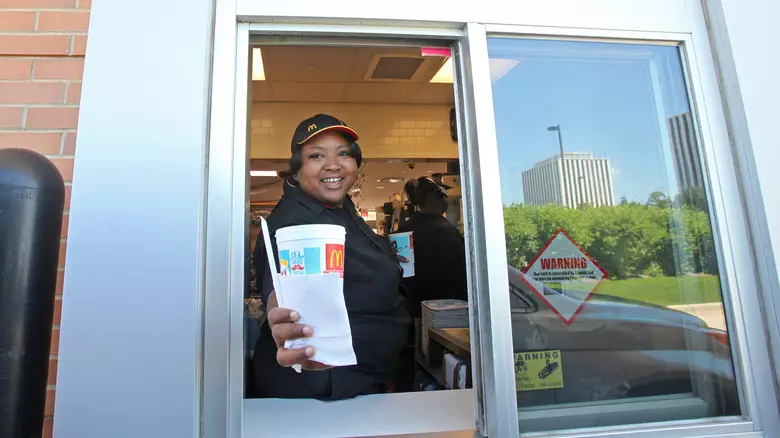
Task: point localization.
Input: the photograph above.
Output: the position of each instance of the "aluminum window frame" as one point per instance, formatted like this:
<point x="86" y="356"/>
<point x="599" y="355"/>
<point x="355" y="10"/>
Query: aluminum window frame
<point x="740" y="292"/>
<point x="222" y="409"/>
<point x="223" y="404"/>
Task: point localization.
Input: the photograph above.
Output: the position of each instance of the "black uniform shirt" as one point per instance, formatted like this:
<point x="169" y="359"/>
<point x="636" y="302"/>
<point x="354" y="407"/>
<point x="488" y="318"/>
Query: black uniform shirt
<point x="377" y="311"/>
<point x="439" y="261"/>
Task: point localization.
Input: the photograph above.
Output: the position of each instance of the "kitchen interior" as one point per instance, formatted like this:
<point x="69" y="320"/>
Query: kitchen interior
<point x="401" y="102"/>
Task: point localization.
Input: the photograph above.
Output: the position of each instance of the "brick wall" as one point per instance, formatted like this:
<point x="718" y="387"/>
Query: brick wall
<point x="42" y="46"/>
<point x="386" y="131"/>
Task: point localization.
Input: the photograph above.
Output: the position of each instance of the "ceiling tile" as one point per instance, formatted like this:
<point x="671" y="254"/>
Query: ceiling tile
<point x="307" y="64"/>
<point x="262" y="91"/>
<point x="308" y="92"/>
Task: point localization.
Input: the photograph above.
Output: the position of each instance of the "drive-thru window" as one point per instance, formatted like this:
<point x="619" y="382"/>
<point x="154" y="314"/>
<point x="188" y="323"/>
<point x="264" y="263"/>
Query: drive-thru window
<point x="586" y="160"/>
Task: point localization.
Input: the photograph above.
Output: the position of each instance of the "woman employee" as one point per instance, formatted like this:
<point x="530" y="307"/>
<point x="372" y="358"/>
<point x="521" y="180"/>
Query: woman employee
<point x="324" y="166"/>
<point x="439" y="250"/>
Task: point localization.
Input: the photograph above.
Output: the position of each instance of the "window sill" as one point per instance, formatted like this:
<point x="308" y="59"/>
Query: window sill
<point x="438" y="414"/>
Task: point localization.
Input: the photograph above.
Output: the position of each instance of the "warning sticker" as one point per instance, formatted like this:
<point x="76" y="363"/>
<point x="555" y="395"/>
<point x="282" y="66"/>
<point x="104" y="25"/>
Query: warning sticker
<point x="538" y="370"/>
<point x="564" y="276"/>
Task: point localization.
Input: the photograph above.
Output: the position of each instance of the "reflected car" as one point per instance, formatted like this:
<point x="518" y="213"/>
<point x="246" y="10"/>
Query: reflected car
<point x="619" y="349"/>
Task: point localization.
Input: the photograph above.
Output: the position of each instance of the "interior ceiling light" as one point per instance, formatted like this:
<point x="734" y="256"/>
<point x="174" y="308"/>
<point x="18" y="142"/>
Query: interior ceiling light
<point x="258" y="73"/>
<point x="391" y="180"/>
<point x="267" y="173"/>
<point x="445" y="74"/>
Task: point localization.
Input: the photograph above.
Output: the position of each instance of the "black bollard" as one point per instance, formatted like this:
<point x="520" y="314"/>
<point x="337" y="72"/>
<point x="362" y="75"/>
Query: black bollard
<point x="32" y="197"/>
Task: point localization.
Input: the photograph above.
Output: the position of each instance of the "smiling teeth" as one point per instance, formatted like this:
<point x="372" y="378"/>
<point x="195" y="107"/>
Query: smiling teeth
<point x="331" y="180"/>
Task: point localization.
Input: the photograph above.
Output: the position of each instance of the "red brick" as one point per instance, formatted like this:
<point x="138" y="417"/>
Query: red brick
<point x="73" y="95"/>
<point x="31" y="92"/>
<point x="85" y="4"/>
<point x="54" y="347"/>
<point x="69" y="144"/>
<point x="17" y="20"/>
<point x="63" y="251"/>
<point x="36" y="4"/>
<point x="52" y="118"/>
<point x="34" y="45"/>
<point x="59" y="69"/>
<point x="60" y="282"/>
<point x="49" y="409"/>
<point x="65" y="166"/>
<point x="63" y="21"/>
<point x="65" y="223"/>
<point x="68" y="191"/>
<point x="52" y="372"/>
<point x="15" y="69"/>
<point x="57" y="312"/>
<point x="48" y="428"/>
<point x="79" y="45"/>
<point x="43" y="142"/>
<point x="10" y="117"/>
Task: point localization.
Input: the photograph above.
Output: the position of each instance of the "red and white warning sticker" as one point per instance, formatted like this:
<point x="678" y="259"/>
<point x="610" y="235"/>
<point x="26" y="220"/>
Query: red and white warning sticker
<point x="564" y="276"/>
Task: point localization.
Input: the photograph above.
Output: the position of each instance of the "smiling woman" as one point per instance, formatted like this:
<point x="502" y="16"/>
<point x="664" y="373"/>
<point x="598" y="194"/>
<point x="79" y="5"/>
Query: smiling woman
<point x="324" y="162"/>
<point x="325" y="158"/>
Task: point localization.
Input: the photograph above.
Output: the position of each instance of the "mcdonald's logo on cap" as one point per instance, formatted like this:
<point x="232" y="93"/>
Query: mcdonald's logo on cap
<point x="312" y="127"/>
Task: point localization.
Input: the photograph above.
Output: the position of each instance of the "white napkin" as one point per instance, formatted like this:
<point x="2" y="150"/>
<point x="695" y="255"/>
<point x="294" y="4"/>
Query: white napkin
<point x="319" y="299"/>
<point x="455" y="372"/>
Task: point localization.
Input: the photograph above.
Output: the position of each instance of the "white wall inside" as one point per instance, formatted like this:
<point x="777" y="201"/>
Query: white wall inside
<point x="386" y="130"/>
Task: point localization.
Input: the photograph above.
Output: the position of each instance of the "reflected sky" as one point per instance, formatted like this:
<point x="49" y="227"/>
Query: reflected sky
<point x="611" y="100"/>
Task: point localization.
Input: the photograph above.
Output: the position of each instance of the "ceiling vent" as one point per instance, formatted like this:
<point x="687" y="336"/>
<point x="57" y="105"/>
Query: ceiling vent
<point x="402" y="69"/>
<point x="398" y="68"/>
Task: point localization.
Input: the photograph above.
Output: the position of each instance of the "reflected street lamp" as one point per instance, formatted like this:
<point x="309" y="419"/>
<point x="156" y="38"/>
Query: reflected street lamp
<point x="557" y="128"/>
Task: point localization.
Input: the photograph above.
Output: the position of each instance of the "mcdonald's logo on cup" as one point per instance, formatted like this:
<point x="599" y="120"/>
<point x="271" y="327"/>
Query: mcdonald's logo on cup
<point x="334" y="258"/>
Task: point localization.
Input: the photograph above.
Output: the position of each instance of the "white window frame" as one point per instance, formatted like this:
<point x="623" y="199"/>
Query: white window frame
<point x="223" y="403"/>
<point x="746" y="325"/>
<point x="223" y="409"/>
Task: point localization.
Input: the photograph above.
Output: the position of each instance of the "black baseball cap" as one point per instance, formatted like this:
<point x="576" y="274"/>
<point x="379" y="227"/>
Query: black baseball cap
<point x="429" y="185"/>
<point x="318" y="124"/>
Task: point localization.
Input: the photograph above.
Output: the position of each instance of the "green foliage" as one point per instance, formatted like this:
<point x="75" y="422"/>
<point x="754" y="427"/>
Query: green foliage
<point x="659" y="199"/>
<point x="628" y="240"/>
<point x="695" y="198"/>
<point x="654" y="270"/>
<point x="663" y="291"/>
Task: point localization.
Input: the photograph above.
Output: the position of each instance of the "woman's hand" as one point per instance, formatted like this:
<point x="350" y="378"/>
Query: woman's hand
<point x="285" y="328"/>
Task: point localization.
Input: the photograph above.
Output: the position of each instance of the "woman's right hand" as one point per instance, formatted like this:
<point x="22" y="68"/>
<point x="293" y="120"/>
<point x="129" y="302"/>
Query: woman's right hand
<point x="284" y="327"/>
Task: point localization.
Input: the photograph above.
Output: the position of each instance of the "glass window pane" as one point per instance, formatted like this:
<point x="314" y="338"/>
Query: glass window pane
<point x="617" y="310"/>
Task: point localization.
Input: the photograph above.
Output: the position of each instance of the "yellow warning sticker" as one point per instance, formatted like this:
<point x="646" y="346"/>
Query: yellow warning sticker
<point x="538" y="370"/>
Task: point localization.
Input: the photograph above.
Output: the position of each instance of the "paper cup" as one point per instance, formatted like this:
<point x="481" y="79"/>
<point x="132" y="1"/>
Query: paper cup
<point x="403" y="244"/>
<point x="311" y="250"/>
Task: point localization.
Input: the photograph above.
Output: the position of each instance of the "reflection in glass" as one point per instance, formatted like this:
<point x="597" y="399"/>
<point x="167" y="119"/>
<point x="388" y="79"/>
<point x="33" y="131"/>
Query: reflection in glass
<point x="617" y="310"/>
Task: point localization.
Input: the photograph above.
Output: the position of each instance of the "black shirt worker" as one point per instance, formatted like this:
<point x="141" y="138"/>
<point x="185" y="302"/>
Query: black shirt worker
<point x="439" y="248"/>
<point x="324" y="166"/>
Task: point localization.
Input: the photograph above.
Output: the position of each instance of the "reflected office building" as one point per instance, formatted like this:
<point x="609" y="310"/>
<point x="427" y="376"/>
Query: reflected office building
<point x="582" y="180"/>
<point x="686" y="152"/>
